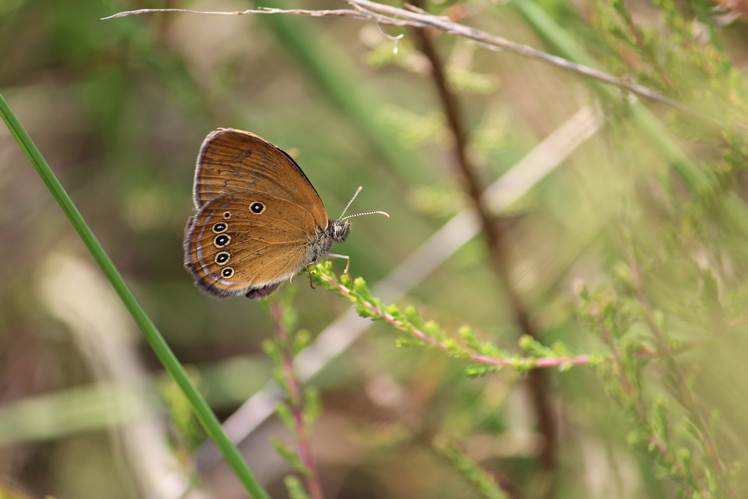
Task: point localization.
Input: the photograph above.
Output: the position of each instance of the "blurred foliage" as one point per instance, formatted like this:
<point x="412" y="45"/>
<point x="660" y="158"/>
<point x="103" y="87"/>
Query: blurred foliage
<point x="633" y="252"/>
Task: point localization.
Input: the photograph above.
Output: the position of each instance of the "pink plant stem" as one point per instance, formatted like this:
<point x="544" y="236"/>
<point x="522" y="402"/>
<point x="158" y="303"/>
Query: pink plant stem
<point x="296" y="405"/>
<point x="537" y="362"/>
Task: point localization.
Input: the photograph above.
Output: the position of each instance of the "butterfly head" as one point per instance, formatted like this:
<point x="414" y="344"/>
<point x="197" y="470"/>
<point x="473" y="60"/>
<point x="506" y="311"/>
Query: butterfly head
<point x="338" y="230"/>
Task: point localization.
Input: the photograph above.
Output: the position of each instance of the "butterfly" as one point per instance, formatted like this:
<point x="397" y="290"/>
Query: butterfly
<point x="259" y="220"/>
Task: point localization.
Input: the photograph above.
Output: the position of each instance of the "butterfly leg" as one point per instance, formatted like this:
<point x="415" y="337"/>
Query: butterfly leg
<point x="347" y="260"/>
<point x="309" y="273"/>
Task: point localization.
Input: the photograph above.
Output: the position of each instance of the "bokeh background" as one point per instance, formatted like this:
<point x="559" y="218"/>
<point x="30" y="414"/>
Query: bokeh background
<point x="119" y="109"/>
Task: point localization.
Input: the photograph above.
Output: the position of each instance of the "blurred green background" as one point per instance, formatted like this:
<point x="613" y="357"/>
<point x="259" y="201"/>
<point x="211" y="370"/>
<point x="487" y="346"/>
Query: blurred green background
<point x="119" y="109"/>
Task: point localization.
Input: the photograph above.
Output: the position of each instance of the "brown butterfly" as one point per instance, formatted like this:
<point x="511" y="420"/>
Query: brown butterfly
<point x="259" y="220"/>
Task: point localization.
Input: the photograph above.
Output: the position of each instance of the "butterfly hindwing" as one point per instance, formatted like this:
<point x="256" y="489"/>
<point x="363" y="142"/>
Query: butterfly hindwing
<point x="248" y="241"/>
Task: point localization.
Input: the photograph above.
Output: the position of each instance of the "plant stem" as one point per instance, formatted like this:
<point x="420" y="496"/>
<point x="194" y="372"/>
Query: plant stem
<point x="198" y="404"/>
<point x="296" y="403"/>
<point x="537" y="381"/>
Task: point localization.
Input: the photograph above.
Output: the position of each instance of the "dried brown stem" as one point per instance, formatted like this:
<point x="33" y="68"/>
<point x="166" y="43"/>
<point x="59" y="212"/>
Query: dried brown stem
<point x="365" y="10"/>
<point x="537" y="381"/>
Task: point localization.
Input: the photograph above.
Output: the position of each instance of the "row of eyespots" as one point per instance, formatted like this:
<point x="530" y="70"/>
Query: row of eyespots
<point x="221" y="241"/>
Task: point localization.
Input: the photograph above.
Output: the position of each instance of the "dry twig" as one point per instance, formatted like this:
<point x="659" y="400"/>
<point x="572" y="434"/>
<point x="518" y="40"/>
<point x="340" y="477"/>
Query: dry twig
<point x="365" y="10"/>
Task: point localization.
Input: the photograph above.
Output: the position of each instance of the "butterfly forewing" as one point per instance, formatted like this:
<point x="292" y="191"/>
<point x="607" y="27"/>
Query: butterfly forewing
<point x="232" y="161"/>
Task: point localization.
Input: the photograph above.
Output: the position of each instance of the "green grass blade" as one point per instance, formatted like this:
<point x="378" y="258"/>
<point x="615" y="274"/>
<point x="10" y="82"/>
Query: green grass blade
<point x="154" y="338"/>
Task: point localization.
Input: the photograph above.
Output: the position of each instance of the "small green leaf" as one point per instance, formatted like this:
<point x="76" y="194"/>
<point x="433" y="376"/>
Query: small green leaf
<point x="295" y="488"/>
<point x="365" y="312"/>
<point x="289" y="456"/>
<point x="312" y="406"/>
<point x="271" y="350"/>
<point x="433" y="330"/>
<point x="284" y="414"/>
<point x="467" y="334"/>
<point x="479" y="370"/>
<point x="345" y="280"/>
<point x="534" y="347"/>
<point x="412" y="317"/>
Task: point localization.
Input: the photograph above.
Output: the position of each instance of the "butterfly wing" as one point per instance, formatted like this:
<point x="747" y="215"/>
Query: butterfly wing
<point x="248" y="242"/>
<point x="232" y="161"/>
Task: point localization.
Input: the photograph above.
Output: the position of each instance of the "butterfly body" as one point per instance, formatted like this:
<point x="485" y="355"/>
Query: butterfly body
<point x="259" y="220"/>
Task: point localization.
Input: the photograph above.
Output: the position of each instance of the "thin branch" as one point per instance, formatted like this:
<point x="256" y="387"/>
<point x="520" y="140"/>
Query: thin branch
<point x="296" y="403"/>
<point x="353" y="14"/>
<point x="514" y="362"/>
<point x="537" y="381"/>
<point x="365" y="10"/>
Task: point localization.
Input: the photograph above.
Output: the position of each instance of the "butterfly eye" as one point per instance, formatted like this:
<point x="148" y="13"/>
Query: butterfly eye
<point x="222" y="257"/>
<point x="227" y="273"/>
<point x="220" y="227"/>
<point x="256" y="208"/>
<point x="221" y="241"/>
<point x="226" y="215"/>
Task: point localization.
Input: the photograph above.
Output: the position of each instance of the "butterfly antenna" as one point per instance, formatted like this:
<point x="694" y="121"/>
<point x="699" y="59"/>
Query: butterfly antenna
<point x="360" y="214"/>
<point x="367" y="213"/>
<point x="350" y="202"/>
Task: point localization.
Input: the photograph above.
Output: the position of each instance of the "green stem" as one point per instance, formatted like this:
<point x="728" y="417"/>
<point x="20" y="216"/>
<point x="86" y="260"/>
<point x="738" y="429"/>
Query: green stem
<point x="166" y="356"/>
